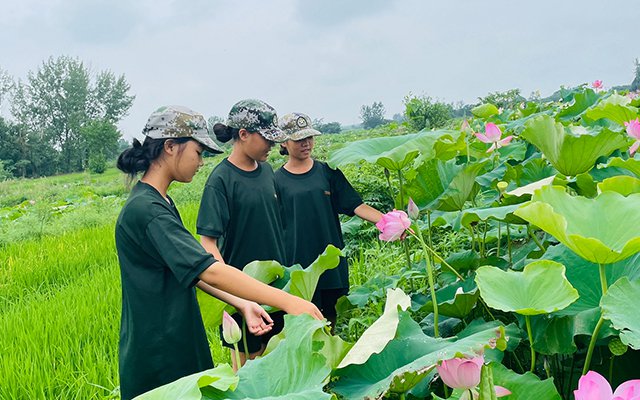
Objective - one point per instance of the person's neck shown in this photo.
(242, 160)
(159, 180)
(299, 166)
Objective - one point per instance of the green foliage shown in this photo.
(55, 105)
(510, 98)
(372, 115)
(5, 171)
(426, 113)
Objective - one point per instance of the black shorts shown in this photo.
(254, 343)
(326, 300)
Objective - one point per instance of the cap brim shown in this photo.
(304, 133)
(275, 135)
(208, 144)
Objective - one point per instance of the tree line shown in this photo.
(62, 119)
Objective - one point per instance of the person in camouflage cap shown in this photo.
(297, 126)
(239, 218)
(256, 116)
(169, 122)
(161, 262)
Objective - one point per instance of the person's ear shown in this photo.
(169, 146)
(243, 134)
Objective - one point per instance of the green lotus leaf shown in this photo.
(455, 300)
(529, 171)
(541, 288)
(502, 213)
(571, 153)
(581, 102)
(602, 230)
(376, 337)
(394, 152)
(524, 387)
(267, 377)
(295, 280)
(617, 306)
(444, 186)
(410, 351)
(485, 110)
(585, 277)
(553, 335)
(623, 184)
(631, 164)
(221, 377)
(614, 108)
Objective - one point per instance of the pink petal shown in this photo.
(505, 141)
(500, 391)
(484, 139)
(628, 390)
(633, 128)
(468, 375)
(492, 131)
(633, 148)
(593, 386)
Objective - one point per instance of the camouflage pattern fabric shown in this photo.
(177, 121)
(256, 116)
(297, 126)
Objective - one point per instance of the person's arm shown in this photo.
(368, 213)
(237, 283)
(210, 244)
(258, 320)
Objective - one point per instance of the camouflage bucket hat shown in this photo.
(297, 126)
(256, 116)
(169, 122)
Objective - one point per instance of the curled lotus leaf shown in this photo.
(603, 230)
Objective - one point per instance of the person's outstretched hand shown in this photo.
(300, 306)
(258, 320)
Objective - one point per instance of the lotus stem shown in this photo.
(499, 239)
(509, 245)
(244, 340)
(596, 330)
(535, 238)
(432, 288)
(592, 345)
(400, 182)
(237, 356)
(527, 320)
(442, 261)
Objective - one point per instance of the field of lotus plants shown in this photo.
(508, 268)
(539, 303)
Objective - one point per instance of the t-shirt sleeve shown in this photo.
(180, 251)
(213, 215)
(344, 197)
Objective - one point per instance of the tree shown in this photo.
(101, 139)
(329, 127)
(508, 99)
(424, 113)
(58, 100)
(6, 84)
(372, 115)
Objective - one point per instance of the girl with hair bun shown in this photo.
(162, 336)
(239, 218)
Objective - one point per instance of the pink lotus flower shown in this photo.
(633, 130)
(464, 374)
(597, 84)
(492, 135)
(392, 225)
(632, 95)
(594, 386)
(412, 209)
(230, 329)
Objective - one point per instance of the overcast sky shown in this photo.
(325, 58)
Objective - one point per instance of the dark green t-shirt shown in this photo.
(162, 336)
(311, 203)
(240, 208)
